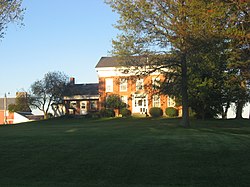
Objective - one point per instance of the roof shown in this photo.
(83, 89)
(9, 101)
(108, 62)
(31, 116)
(120, 61)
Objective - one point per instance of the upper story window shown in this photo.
(156, 101)
(156, 83)
(109, 85)
(123, 85)
(139, 84)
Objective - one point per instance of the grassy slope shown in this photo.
(125, 152)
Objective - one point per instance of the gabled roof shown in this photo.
(120, 61)
(108, 62)
(9, 101)
(83, 89)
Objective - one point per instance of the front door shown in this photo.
(83, 107)
(140, 103)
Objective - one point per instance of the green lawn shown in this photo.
(125, 152)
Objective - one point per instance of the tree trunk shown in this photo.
(45, 115)
(226, 109)
(224, 112)
(203, 114)
(184, 92)
(239, 109)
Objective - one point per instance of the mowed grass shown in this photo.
(125, 152)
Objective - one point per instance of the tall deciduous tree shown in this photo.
(239, 61)
(47, 91)
(167, 28)
(10, 11)
(169, 32)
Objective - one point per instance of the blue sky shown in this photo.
(68, 36)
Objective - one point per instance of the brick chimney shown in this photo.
(72, 81)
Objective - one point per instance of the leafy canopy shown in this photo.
(10, 11)
(47, 91)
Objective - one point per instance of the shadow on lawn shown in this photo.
(237, 132)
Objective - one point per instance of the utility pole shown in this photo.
(5, 108)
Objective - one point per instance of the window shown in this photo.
(156, 101)
(171, 102)
(155, 82)
(73, 104)
(140, 102)
(93, 105)
(123, 85)
(83, 105)
(124, 99)
(139, 84)
(109, 85)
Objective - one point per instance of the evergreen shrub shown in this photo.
(125, 112)
(171, 112)
(107, 113)
(155, 112)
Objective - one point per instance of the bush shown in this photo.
(156, 112)
(125, 112)
(114, 102)
(171, 112)
(107, 113)
(93, 114)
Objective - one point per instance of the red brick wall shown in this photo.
(10, 117)
(131, 89)
(1, 117)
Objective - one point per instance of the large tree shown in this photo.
(47, 91)
(10, 11)
(172, 32)
(239, 61)
(168, 29)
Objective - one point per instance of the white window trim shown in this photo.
(73, 104)
(109, 85)
(171, 102)
(155, 82)
(156, 101)
(123, 83)
(139, 82)
(124, 99)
